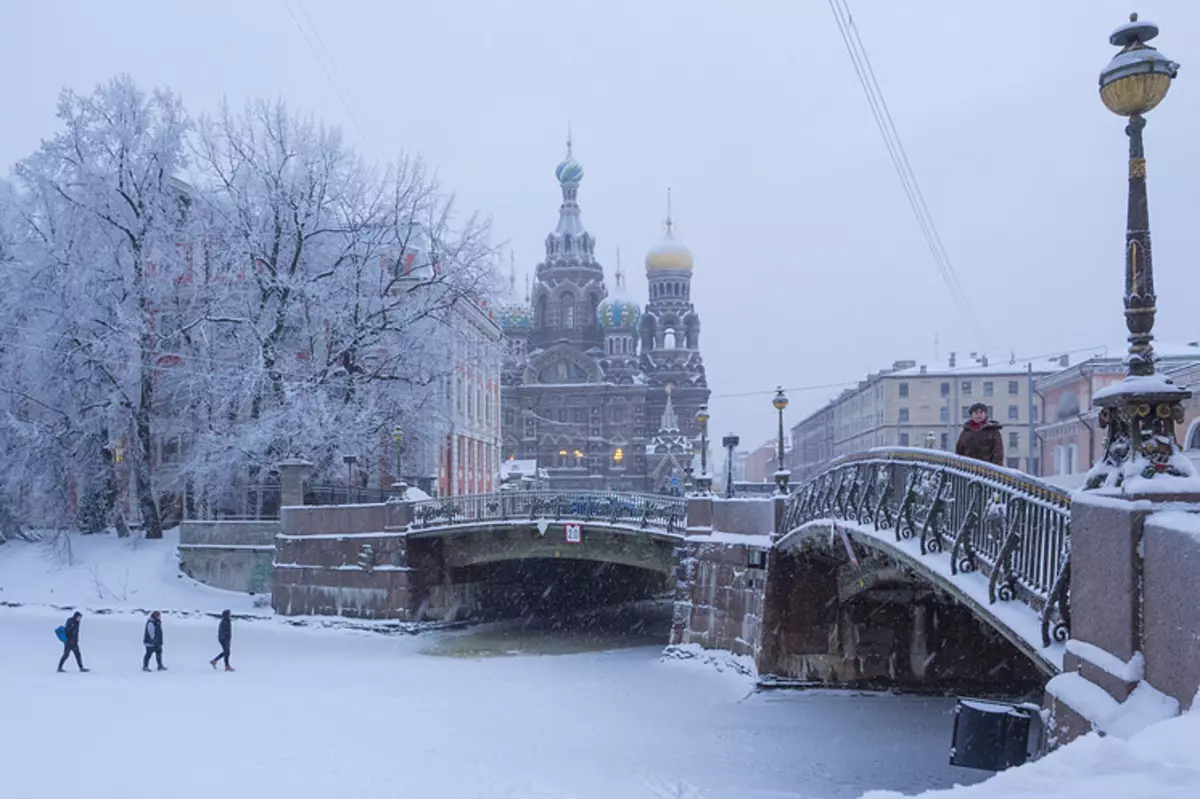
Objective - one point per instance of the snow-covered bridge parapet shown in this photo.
(1001, 537)
(650, 512)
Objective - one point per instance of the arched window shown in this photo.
(568, 312)
(1193, 439)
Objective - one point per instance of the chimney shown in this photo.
(952, 360)
(983, 360)
(923, 369)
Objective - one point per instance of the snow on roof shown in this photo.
(965, 367)
(515, 468)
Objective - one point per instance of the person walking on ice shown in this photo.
(224, 635)
(70, 639)
(153, 639)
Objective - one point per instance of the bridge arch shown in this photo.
(1007, 621)
(990, 541)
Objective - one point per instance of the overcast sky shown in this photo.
(810, 269)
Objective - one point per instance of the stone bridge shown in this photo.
(893, 568)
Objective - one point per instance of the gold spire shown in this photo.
(669, 222)
(620, 274)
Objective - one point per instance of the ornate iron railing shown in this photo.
(1011, 527)
(645, 511)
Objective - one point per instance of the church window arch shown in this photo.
(567, 311)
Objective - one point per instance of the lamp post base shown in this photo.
(782, 478)
(1140, 415)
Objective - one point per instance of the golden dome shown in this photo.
(669, 255)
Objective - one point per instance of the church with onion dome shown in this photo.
(599, 389)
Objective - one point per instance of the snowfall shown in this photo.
(316, 710)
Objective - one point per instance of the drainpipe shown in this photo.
(1087, 373)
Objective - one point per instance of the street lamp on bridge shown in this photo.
(704, 481)
(781, 473)
(730, 443)
(1141, 412)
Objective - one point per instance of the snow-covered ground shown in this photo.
(1160, 762)
(318, 713)
(313, 713)
(103, 571)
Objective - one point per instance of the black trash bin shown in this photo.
(990, 735)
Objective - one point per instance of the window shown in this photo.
(945, 389)
(1012, 463)
(904, 389)
(903, 415)
(1014, 413)
(991, 412)
(1014, 440)
(568, 312)
(945, 441)
(966, 411)
(904, 439)
(1064, 459)
(1035, 413)
(966, 388)
(944, 414)
(989, 388)
(1014, 388)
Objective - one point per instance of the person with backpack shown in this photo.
(70, 637)
(152, 638)
(224, 636)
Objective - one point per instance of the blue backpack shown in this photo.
(61, 632)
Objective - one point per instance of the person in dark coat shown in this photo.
(71, 645)
(224, 636)
(153, 639)
(980, 438)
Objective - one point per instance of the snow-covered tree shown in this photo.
(98, 239)
(165, 337)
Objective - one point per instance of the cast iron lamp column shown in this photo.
(1141, 412)
(782, 475)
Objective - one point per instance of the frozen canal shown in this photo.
(319, 713)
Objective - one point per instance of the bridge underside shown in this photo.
(876, 622)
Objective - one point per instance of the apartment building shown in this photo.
(922, 405)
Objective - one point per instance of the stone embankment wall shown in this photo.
(233, 555)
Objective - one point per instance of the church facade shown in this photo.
(601, 391)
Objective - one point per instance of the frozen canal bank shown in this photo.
(315, 713)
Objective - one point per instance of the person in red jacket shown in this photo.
(980, 438)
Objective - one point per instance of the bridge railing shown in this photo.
(1011, 527)
(645, 511)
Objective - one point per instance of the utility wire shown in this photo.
(883, 120)
(321, 63)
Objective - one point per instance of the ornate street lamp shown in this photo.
(781, 474)
(704, 481)
(1140, 413)
(729, 442)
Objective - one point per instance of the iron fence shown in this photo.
(645, 511)
(1011, 527)
(326, 494)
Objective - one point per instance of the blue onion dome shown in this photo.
(569, 171)
(619, 314)
(516, 316)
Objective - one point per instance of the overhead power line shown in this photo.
(899, 157)
(354, 119)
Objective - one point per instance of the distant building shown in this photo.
(759, 464)
(1070, 437)
(919, 405)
